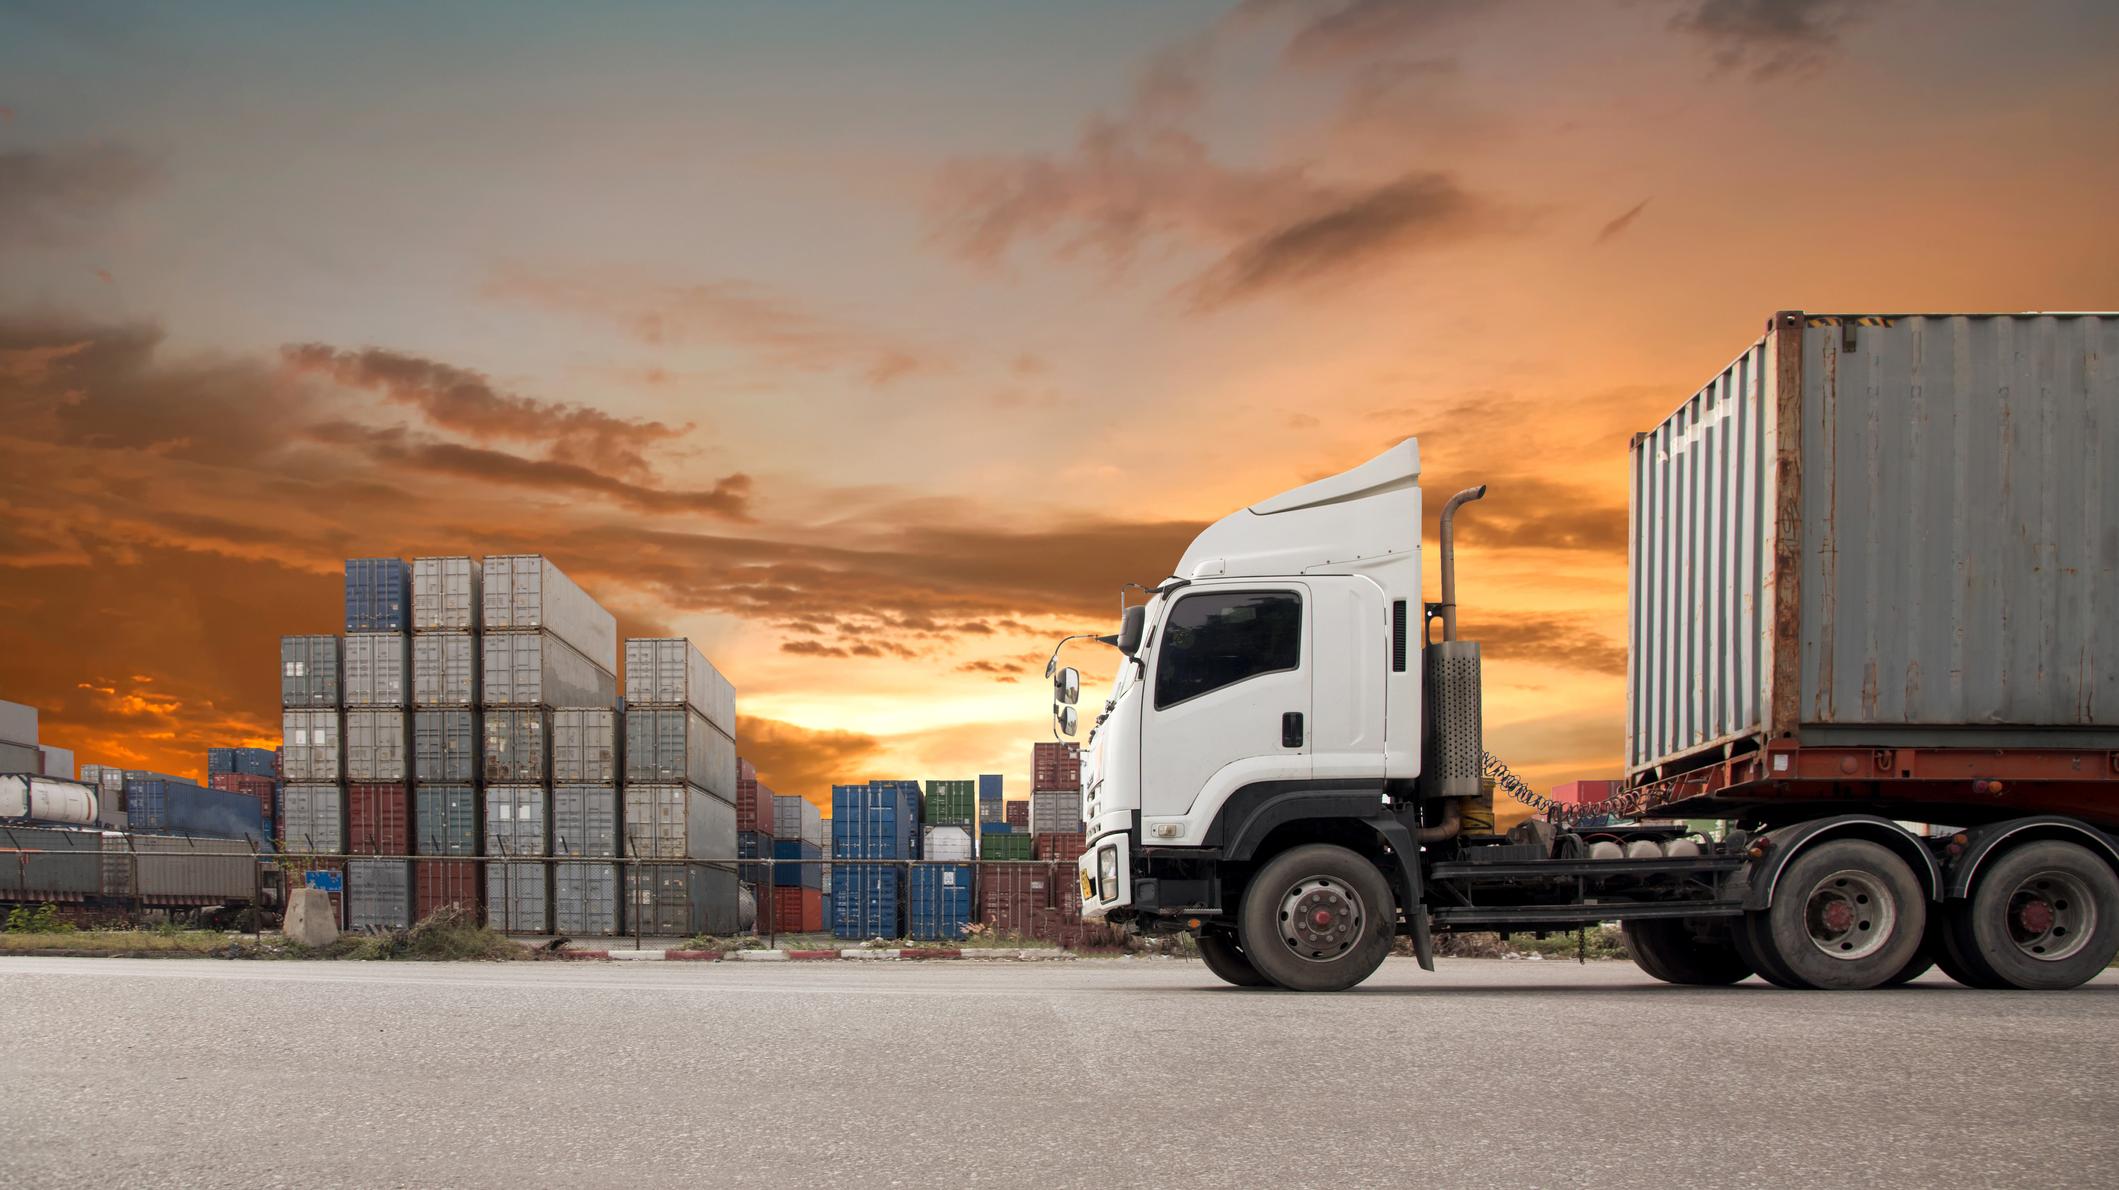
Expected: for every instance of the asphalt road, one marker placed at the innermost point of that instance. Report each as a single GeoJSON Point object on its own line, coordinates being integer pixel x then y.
{"type": "Point", "coordinates": [1099, 1074]}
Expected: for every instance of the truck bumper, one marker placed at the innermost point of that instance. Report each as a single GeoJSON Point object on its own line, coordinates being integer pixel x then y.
{"type": "Point", "coordinates": [1105, 872]}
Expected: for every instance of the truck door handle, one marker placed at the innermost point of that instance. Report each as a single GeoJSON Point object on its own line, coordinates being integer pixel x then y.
{"type": "Point", "coordinates": [1291, 730]}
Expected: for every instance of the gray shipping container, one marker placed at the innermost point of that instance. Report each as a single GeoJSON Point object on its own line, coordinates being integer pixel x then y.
{"type": "Point", "coordinates": [446, 746]}
{"type": "Point", "coordinates": [376, 746]}
{"type": "Point", "coordinates": [20, 758]}
{"type": "Point", "coordinates": [518, 748]}
{"type": "Point", "coordinates": [518, 820]}
{"type": "Point", "coordinates": [174, 870]}
{"type": "Point", "coordinates": [445, 669]}
{"type": "Point", "coordinates": [378, 669]}
{"type": "Point", "coordinates": [445, 594]}
{"type": "Point", "coordinates": [310, 746]}
{"type": "Point", "coordinates": [537, 669]}
{"type": "Point", "coordinates": [18, 722]}
{"type": "Point", "coordinates": [313, 818]}
{"type": "Point", "coordinates": [668, 671]}
{"type": "Point", "coordinates": [585, 746]}
{"type": "Point", "coordinates": [585, 820]}
{"type": "Point", "coordinates": [1056, 813]}
{"type": "Point", "coordinates": [585, 900]}
{"type": "Point", "coordinates": [676, 821]}
{"type": "Point", "coordinates": [798, 818]}
{"type": "Point", "coordinates": [445, 820]}
{"type": "Point", "coordinates": [309, 671]}
{"type": "Point", "coordinates": [681, 899]}
{"type": "Point", "coordinates": [665, 745]}
{"type": "Point", "coordinates": [67, 866]}
{"type": "Point", "coordinates": [526, 592]}
{"type": "Point", "coordinates": [1889, 530]}
{"type": "Point", "coordinates": [378, 893]}
{"type": "Point", "coordinates": [518, 898]}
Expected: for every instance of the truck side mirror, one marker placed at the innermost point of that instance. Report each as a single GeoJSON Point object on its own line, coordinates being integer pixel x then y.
{"type": "Point", "coordinates": [1068, 721]}
{"type": "Point", "coordinates": [1067, 686]}
{"type": "Point", "coordinates": [1131, 628]}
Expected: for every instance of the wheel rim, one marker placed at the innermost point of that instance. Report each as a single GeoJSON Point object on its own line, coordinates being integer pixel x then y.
{"type": "Point", "coordinates": [2051, 916]}
{"type": "Point", "coordinates": [1849, 915]}
{"type": "Point", "coordinates": [1321, 918]}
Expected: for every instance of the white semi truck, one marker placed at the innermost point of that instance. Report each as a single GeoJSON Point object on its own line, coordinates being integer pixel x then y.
{"type": "Point", "coordinates": [1873, 572]}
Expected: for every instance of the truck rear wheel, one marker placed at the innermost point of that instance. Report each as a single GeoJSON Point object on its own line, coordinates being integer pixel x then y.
{"type": "Point", "coordinates": [1847, 914]}
{"type": "Point", "coordinates": [1317, 918]}
{"type": "Point", "coordinates": [1226, 960]}
{"type": "Point", "coordinates": [2044, 916]}
{"type": "Point", "coordinates": [1674, 951]}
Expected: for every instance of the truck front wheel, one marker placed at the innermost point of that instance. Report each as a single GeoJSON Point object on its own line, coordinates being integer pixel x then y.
{"type": "Point", "coordinates": [1226, 960]}
{"type": "Point", "coordinates": [1317, 918]}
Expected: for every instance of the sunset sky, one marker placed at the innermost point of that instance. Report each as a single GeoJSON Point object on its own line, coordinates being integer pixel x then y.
{"type": "Point", "coordinates": [874, 345]}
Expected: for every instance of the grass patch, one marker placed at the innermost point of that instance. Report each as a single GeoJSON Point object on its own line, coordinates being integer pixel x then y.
{"type": "Point", "coordinates": [720, 945]}
{"type": "Point", "coordinates": [129, 943]}
{"type": "Point", "coordinates": [448, 935]}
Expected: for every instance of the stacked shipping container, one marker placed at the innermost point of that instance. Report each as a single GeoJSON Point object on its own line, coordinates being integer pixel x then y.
{"type": "Point", "coordinates": [876, 821]}
{"type": "Point", "coordinates": [448, 736]}
{"type": "Point", "coordinates": [680, 789]}
{"type": "Point", "coordinates": [312, 815]}
{"type": "Point", "coordinates": [376, 682]}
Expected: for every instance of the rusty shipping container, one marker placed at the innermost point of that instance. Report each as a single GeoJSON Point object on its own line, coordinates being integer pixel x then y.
{"type": "Point", "coordinates": [585, 746]}
{"type": "Point", "coordinates": [754, 801]}
{"type": "Point", "coordinates": [1055, 765]}
{"type": "Point", "coordinates": [518, 746]}
{"type": "Point", "coordinates": [378, 819]}
{"type": "Point", "coordinates": [441, 883]}
{"type": "Point", "coordinates": [1881, 530]}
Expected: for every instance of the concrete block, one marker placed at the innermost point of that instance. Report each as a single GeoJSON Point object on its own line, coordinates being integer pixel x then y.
{"type": "Point", "coordinates": [310, 921]}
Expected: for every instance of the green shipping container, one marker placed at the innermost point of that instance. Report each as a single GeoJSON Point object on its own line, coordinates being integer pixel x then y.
{"type": "Point", "coordinates": [950, 803]}
{"type": "Point", "coordinates": [996, 846]}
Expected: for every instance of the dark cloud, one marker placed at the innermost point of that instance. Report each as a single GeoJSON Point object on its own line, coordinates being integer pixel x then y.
{"type": "Point", "coordinates": [803, 762]}
{"type": "Point", "coordinates": [1620, 224]}
{"type": "Point", "coordinates": [466, 402]}
{"type": "Point", "coordinates": [57, 193]}
{"type": "Point", "coordinates": [1331, 33]}
{"type": "Point", "coordinates": [1773, 37]}
{"type": "Point", "coordinates": [1569, 642]}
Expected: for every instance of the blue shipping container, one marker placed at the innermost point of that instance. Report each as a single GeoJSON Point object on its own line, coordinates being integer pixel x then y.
{"type": "Point", "coordinates": [996, 828]}
{"type": "Point", "coordinates": [801, 864]}
{"type": "Point", "coordinates": [378, 595]}
{"type": "Point", "coordinates": [172, 807]}
{"type": "Point", "coordinates": [989, 787]}
{"type": "Point", "coordinates": [938, 902]}
{"type": "Point", "coordinates": [258, 762]}
{"type": "Point", "coordinates": [879, 820]}
{"type": "Point", "coordinates": [867, 902]}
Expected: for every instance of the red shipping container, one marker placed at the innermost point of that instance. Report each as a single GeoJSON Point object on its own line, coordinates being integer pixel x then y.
{"type": "Point", "coordinates": [1063, 847]}
{"type": "Point", "coordinates": [754, 802]}
{"type": "Point", "coordinates": [1013, 895]}
{"type": "Point", "coordinates": [1018, 814]}
{"type": "Point", "coordinates": [798, 910]}
{"type": "Point", "coordinates": [1578, 793]}
{"type": "Point", "coordinates": [253, 785]}
{"type": "Point", "coordinates": [440, 882]}
{"type": "Point", "coordinates": [1055, 765]}
{"type": "Point", "coordinates": [378, 820]}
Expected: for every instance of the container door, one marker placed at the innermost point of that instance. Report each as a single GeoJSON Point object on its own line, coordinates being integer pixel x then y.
{"type": "Point", "coordinates": [1228, 695]}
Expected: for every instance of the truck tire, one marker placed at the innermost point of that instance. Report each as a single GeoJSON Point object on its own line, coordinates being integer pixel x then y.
{"type": "Point", "coordinates": [2043, 916]}
{"type": "Point", "coordinates": [1965, 968]}
{"type": "Point", "coordinates": [1674, 951]}
{"type": "Point", "coordinates": [1317, 918]}
{"type": "Point", "coordinates": [1847, 915]}
{"type": "Point", "coordinates": [1226, 960]}
{"type": "Point", "coordinates": [1749, 929]}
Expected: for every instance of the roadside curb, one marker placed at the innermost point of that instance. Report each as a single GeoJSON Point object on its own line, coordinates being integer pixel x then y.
{"type": "Point", "coordinates": [909, 954]}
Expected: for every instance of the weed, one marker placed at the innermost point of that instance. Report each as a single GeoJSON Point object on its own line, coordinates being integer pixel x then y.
{"type": "Point", "coordinates": [44, 919]}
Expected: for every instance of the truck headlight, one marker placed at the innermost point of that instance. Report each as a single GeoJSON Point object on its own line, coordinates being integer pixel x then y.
{"type": "Point", "coordinates": [1107, 871]}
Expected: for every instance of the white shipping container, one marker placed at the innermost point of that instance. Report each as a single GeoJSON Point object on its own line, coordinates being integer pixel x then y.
{"type": "Point", "coordinates": [526, 592]}
{"type": "Point", "coordinates": [517, 820]}
{"type": "Point", "coordinates": [446, 594]}
{"type": "Point", "coordinates": [376, 746]}
{"type": "Point", "coordinates": [948, 844]}
{"type": "Point", "coordinates": [668, 671]}
{"type": "Point", "coordinates": [377, 669]}
{"type": "Point", "coordinates": [311, 746]}
{"type": "Point", "coordinates": [537, 669]}
{"type": "Point", "coordinates": [585, 746]}
{"type": "Point", "coordinates": [445, 669]}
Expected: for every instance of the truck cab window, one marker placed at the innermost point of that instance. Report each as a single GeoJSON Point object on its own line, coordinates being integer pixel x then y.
{"type": "Point", "coordinates": [1215, 640]}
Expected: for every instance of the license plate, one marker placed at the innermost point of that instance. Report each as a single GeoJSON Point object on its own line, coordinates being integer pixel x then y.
{"type": "Point", "coordinates": [1088, 887]}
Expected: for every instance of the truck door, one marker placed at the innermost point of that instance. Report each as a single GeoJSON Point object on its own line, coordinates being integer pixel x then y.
{"type": "Point", "coordinates": [1228, 701]}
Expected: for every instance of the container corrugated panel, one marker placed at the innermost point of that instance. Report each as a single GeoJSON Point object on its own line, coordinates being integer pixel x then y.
{"type": "Point", "coordinates": [1818, 532]}
{"type": "Point", "coordinates": [517, 820]}
{"type": "Point", "coordinates": [800, 865]}
{"type": "Point", "coordinates": [670, 744]}
{"type": "Point", "coordinates": [585, 900]}
{"type": "Point", "coordinates": [440, 883]}
{"type": "Point", "coordinates": [938, 902]}
{"type": "Point", "coordinates": [518, 746]}
{"type": "Point", "coordinates": [447, 746]}
{"type": "Point", "coordinates": [752, 845]}
{"type": "Point", "coordinates": [951, 843]}
{"type": "Point", "coordinates": [37, 864]}
{"type": "Point", "coordinates": [378, 893]}
{"type": "Point", "coordinates": [1055, 813]}
{"type": "Point", "coordinates": [1055, 765]}
{"type": "Point", "coordinates": [797, 818]}
{"type": "Point", "coordinates": [798, 910]}
{"type": "Point", "coordinates": [1004, 846]}
{"type": "Point", "coordinates": [1018, 815]}
{"type": "Point", "coordinates": [879, 820]}
{"type": "Point", "coordinates": [311, 745]}
{"type": "Point", "coordinates": [519, 898]}
{"type": "Point", "coordinates": [446, 594]}
{"type": "Point", "coordinates": [1065, 847]}
{"type": "Point", "coordinates": [378, 595]}
{"type": "Point", "coordinates": [675, 821]}
{"type": "Point", "coordinates": [313, 818]}
{"type": "Point", "coordinates": [538, 669]}
{"type": "Point", "coordinates": [715, 898]}
{"type": "Point", "coordinates": [585, 746]}
{"type": "Point", "coordinates": [993, 813]}
{"type": "Point", "coordinates": [378, 669]}
{"type": "Point", "coordinates": [378, 819]}
{"type": "Point", "coordinates": [868, 902]}
{"type": "Point", "coordinates": [168, 806]}
{"type": "Point", "coordinates": [258, 762]}
{"type": "Point", "coordinates": [527, 592]}
{"type": "Point", "coordinates": [375, 746]}
{"type": "Point", "coordinates": [445, 669]}
{"type": "Point", "coordinates": [754, 802]}
{"type": "Point", "coordinates": [585, 820]}
{"type": "Point", "coordinates": [671, 672]}
{"type": "Point", "coordinates": [667, 898]}
{"type": "Point", "coordinates": [309, 671]}
{"type": "Point", "coordinates": [445, 820]}
{"type": "Point", "coordinates": [192, 870]}
{"type": "Point", "coordinates": [950, 803]}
